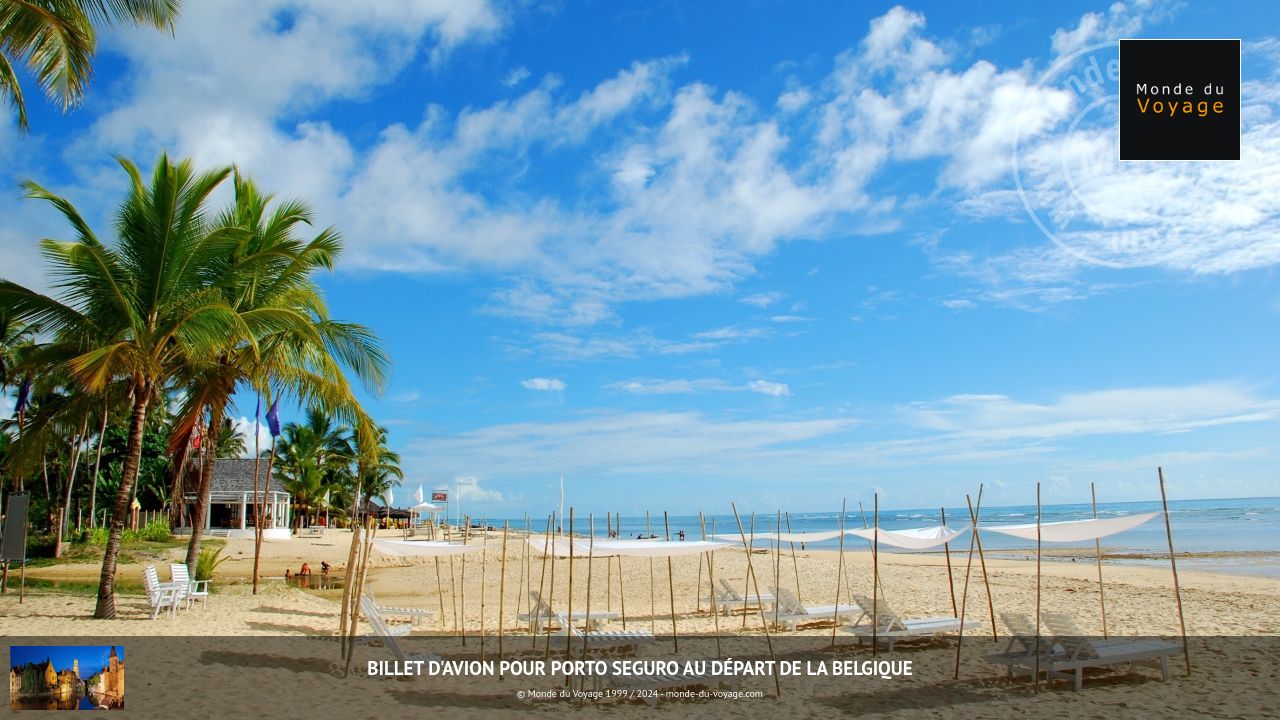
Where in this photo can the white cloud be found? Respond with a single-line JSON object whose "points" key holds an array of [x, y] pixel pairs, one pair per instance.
{"points": [[516, 76], [244, 428], [543, 384], [1122, 19], [467, 487], [766, 387], [762, 299]]}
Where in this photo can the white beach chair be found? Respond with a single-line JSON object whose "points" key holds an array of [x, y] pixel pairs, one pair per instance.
{"points": [[541, 615], [191, 590], [890, 627], [728, 599], [415, 615], [160, 596], [1021, 648], [388, 633], [1079, 652], [599, 639], [790, 613]]}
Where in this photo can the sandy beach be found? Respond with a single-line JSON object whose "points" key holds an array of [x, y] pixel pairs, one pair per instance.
{"points": [[1232, 618]]}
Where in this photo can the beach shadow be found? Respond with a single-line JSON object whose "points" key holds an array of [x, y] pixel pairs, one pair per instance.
{"points": [[287, 611], [290, 629], [266, 661]]}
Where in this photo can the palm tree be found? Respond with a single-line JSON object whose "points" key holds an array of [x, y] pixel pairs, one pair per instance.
{"points": [[295, 349], [57, 39], [230, 442], [138, 310], [314, 460]]}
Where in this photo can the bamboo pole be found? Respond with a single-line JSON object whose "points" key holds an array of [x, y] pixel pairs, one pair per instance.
{"points": [[591, 554], [653, 604], [795, 564], [608, 563], [946, 549], [484, 564], [964, 595], [711, 582], [502, 588], [1173, 564], [440, 591], [844, 504], [751, 576], [764, 624], [879, 586], [462, 580], [551, 592], [671, 587], [568, 632], [1097, 549], [453, 595], [348, 583], [777, 564], [974, 518], [534, 612], [875, 574], [355, 594], [1037, 649]]}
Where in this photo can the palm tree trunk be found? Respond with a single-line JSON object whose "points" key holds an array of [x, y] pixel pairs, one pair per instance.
{"points": [[97, 465], [201, 510], [106, 608], [71, 482]]}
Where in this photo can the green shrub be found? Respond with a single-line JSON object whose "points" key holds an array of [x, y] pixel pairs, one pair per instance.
{"points": [[96, 536], [208, 561], [155, 531]]}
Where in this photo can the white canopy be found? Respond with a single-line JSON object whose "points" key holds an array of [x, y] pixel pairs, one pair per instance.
{"points": [[1073, 530], [429, 548], [628, 548], [914, 538], [800, 537]]}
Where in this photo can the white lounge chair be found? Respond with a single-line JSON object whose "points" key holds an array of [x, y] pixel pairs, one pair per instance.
{"points": [[890, 627], [599, 639], [790, 613], [542, 615], [191, 590], [388, 633], [1023, 643], [729, 599], [1079, 652], [415, 615], [160, 596]]}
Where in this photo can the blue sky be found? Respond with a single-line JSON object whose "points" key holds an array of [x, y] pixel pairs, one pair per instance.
{"points": [[93, 658], [770, 252]]}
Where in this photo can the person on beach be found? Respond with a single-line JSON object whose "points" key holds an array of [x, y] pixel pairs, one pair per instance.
{"points": [[324, 568], [681, 536], [287, 575], [304, 570]]}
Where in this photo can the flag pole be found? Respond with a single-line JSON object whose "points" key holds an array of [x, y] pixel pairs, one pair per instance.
{"points": [[1173, 564], [1097, 548]]}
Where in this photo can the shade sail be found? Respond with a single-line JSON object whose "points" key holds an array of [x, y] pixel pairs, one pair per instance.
{"points": [[627, 548], [912, 539], [420, 548], [800, 537], [427, 507], [1073, 530]]}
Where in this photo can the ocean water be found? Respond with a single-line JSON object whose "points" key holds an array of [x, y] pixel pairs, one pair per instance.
{"points": [[1242, 534]]}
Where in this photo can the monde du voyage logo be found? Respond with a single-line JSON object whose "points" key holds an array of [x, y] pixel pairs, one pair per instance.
{"points": [[1179, 99]]}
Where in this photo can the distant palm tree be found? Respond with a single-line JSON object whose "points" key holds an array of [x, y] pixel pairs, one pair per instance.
{"points": [[57, 39], [230, 444], [314, 459]]}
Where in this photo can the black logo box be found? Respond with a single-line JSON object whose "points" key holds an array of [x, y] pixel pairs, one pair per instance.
{"points": [[1157, 80]]}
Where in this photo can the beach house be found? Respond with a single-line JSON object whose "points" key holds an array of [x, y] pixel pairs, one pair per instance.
{"points": [[231, 505]]}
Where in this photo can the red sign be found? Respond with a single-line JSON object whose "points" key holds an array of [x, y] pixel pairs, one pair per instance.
{"points": [[439, 497]]}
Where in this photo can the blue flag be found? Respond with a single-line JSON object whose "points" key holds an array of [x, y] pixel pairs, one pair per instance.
{"points": [[273, 418], [24, 394]]}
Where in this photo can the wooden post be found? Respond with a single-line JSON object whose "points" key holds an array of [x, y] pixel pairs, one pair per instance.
{"points": [[462, 580], [568, 633], [1037, 648], [542, 582], [875, 574], [764, 624], [671, 586], [551, 590], [502, 588], [964, 595], [608, 564], [946, 549], [1173, 564], [777, 563], [484, 565], [1097, 548], [439, 590], [591, 556], [975, 515], [795, 564], [653, 603], [711, 583], [839, 567], [751, 576]]}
